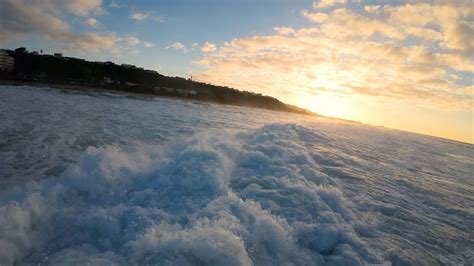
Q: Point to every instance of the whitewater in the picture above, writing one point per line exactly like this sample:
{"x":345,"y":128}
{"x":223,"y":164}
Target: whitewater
{"x":113,"y":179}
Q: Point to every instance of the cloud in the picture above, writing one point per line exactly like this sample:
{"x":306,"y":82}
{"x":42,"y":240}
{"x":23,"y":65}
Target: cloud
{"x":344,"y":23}
{"x":315,"y":17}
{"x":74,"y":7}
{"x":83,"y":7}
{"x":138,"y":16}
{"x":454,"y":20}
{"x":114,"y":4}
{"x":148,"y":44}
{"x":92,"y":22}
{"x":20,"y":18}
{"x":132,"y":40}
{"x":424,"y":33}
{"x":178,"y":46}
{"x":24,"y":18}
{"x":371,"y":9}
{"x":351,"y":53}
{"x":91,"y":42}
{"x":208,"y":47}
{"x":327,"y":3}
{"x":284,"y":30}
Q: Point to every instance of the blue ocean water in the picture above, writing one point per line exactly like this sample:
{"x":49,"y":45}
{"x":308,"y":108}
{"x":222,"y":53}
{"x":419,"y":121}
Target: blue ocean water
{"x":106,"y":179}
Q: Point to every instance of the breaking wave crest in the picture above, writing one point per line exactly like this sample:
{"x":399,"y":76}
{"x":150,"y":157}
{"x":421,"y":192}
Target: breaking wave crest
{"x":255,"y":197}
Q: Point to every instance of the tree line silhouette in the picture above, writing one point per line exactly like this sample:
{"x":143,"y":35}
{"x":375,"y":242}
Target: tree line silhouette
{"x":32,"y":66}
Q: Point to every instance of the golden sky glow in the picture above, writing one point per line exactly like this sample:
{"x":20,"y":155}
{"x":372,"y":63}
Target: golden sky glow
{"x":406,"y":66}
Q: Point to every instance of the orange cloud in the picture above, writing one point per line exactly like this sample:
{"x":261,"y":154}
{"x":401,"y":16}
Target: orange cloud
{"x":208,"y":47}
{"x":350,"y":53}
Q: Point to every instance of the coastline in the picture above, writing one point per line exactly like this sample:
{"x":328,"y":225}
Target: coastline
{"x":64,"y":86}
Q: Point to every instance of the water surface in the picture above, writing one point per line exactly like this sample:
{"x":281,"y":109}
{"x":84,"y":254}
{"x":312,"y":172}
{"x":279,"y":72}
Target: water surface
{"x":99,"y":178}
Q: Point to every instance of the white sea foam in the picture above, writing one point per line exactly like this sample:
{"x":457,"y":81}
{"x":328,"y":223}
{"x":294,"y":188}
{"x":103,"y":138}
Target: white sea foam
{"x":177,"y":183}
{"x":252,"y":198}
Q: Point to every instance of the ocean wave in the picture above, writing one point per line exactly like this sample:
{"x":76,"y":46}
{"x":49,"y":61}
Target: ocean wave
{"x":254,"y":197}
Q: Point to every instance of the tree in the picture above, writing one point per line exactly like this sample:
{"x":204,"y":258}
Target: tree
{"x":21,"y":50}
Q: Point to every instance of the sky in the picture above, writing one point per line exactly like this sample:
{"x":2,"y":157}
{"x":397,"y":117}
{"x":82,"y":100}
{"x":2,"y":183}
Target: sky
{"x":406,"y":65}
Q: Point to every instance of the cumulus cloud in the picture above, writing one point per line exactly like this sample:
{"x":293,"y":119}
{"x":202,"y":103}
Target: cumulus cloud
{"x":22,"y":18}
{"x":178,"y":46}
{"x":148,"y":44}
{"x":208,"y":47}
{"x":327,"y":3}
{"x":315,"y":17}
{"x":344,"y":23}
{"x":132,"y":40}
{"x":371,"y":9}
{"x":357,"y":53}
{"x":454,"y":19}
{"x":284,"y":30}
{"x":92,"y":22}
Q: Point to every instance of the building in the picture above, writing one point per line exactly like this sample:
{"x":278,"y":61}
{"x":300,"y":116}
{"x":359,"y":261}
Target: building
{"x":7,"y":62}
{"x":186,"y":92}
{"x":169,"y":90}
{"x":58,"y":55}
{"x":128,"y":66}
{"x":107,"y":80}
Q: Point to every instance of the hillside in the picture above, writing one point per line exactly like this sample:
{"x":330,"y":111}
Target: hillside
{"x":34,"y":67}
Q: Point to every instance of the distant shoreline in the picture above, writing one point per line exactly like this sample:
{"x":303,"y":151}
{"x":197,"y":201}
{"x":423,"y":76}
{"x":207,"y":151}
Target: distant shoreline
{"x":64,"y":86}
{"x":58,"y":71}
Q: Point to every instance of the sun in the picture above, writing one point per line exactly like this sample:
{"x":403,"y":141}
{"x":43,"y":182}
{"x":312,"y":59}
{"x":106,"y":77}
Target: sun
{"x":327,"y":104}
